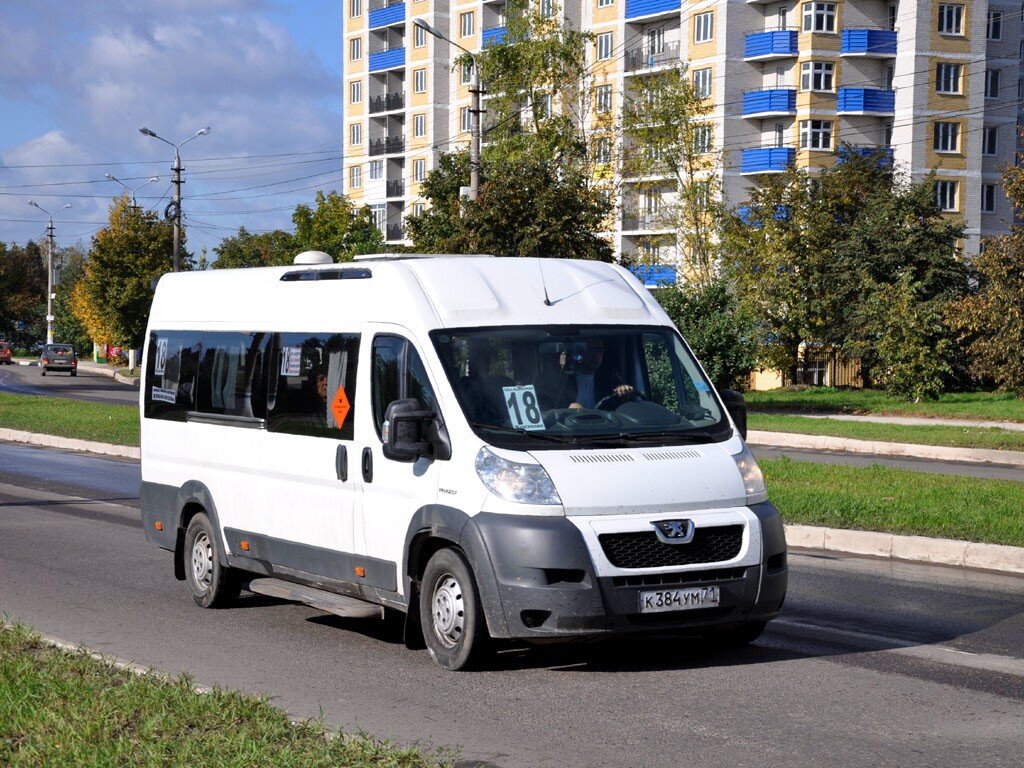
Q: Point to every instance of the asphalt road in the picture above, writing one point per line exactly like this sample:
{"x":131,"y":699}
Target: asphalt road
{"x":94,"y":387}
{"x":873,"y":662}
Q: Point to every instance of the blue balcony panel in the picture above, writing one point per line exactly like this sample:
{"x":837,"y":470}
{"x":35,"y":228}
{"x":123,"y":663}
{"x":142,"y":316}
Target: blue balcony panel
{"x":749,"y":217}
{"x":494,"y":36}
{"x":654,"y":275}
{"x":638,"y":8}
{"x":885,"y":156}
{"x":389,"y":14}
{"x":767,"y":159}
{"x":875,"y":101}
{"x":870,"y":43}
{"x":389,"y":59}
{"x":770,"y":101}
{"x":765,"y":46}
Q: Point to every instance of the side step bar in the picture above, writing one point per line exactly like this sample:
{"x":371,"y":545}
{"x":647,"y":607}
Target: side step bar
{"x":339,"y":605}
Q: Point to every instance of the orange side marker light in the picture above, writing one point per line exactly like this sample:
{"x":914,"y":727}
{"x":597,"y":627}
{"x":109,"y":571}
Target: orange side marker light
{"x":360,"y":571}
{"x":158,"y":525}
{"x":244,"y":545}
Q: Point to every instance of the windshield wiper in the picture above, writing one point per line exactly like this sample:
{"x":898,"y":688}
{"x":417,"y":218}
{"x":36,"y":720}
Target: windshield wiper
{"x":689,"y":436}
{"x":523,"y":432}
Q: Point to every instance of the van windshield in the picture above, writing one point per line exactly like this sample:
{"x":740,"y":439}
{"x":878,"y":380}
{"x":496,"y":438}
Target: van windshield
{"x":538,"y":387}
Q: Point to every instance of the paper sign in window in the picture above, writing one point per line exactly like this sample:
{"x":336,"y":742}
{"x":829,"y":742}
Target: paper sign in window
{"x":523,"y":407}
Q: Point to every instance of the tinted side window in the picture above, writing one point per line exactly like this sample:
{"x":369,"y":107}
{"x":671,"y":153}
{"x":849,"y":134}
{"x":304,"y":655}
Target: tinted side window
{"x":398,"y":373}
{"x":308,"y":373}
{"x":231,"y":375}
{"x":171,"y":374}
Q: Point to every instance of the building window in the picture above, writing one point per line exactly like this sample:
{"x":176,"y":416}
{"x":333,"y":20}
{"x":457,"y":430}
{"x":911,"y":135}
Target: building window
{"x":419,"y":81}
{"x":466,"y":24}
{"x":355,"y":177}
{"x":702,"y":139}
{"x":467,"y":72}
{"x":604,"y":45}
{"x":704,"y":27}
{"x":988,"y":198}
{"x":466,"y":119}
{"x":603,"y":150}
{"x":379,"y":214}
{"x":947,"y":137}
{"x":376,"y":170}
{"x":819,"y":17}
{"x":990,"y":140}
{"x":417,"y":210}
{"x":991,"y":83}
{"x":945,"y":195}
{"x":891,"y":18}
{"x":419,"y":36}
{"x":947,"y":78}
{"x":655,"y":41}
{"x":604,"y":3}
{"x":355,"y":8}
{"x":995,"y":25}
{"x":702,"y":82}
{"x":887,"y":134}
{"x":355,"y":134}
{"x":816,"y":76}
{"x":815,"y":134}
{"x":355,"y":49}
{"x":419,"y":123}
{"x":355,"y":92}
{"x":603,"y":98}
{"x":542,"y":106}
{"x":547,"y":8}
{"x":951,"y":19}
{"x":419,"y":170}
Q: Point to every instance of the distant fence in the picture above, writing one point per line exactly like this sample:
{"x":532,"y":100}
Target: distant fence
{"x":825,"y":368}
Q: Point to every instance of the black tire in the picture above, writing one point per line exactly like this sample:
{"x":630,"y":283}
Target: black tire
{"x":737,"y":635}
{"x":212,"y":585}
{"x":42,"y":371}
{"x":74,"y":373}
{"x":450,"y":613}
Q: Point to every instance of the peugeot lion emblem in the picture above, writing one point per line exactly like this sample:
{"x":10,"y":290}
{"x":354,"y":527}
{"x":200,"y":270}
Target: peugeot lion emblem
{"x":674,"y":531}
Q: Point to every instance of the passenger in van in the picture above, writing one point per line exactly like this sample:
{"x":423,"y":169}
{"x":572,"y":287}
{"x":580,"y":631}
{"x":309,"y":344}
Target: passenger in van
{"x":483,"y":391}
{"x":587,"y":380}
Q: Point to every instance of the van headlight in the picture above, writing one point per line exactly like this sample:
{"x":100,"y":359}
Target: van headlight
{"x":753,"y":479}
{"x":512,"y":481}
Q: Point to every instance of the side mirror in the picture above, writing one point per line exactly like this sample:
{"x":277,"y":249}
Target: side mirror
{"x":405,"y":426}
{"x":737,"y":407}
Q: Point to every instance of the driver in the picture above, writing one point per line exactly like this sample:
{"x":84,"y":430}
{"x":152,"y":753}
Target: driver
{"x":589,"y":381}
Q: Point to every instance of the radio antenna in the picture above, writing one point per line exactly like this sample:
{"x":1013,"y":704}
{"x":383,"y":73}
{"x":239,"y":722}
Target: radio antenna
{"x":544,"y":285}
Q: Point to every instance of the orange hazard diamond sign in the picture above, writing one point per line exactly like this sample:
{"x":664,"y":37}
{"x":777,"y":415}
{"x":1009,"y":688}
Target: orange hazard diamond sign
{"x":340,"y":406}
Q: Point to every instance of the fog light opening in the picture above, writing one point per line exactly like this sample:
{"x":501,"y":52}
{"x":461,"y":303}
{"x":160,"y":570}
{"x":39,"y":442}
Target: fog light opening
{"x":532,"y":619}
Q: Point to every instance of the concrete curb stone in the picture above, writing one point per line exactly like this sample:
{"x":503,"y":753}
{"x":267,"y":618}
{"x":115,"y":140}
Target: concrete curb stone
{"x":69,"y":443}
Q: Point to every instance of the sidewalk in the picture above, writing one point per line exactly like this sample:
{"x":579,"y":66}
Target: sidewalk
{"x":912,"y":421}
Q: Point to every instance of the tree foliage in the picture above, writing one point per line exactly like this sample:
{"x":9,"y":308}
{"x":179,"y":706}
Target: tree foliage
{"x":113,"y":297}
{"x":66,"y":326}
{"x":22,"y":293}
{"x":245,"y":249}
{"x":336,"y":227}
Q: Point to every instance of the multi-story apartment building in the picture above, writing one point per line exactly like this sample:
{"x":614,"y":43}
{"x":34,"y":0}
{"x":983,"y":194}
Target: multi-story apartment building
{"x":936,"y":85}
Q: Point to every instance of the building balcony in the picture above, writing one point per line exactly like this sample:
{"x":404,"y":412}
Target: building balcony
{"x":769,"y":102}
{"x":388,"y":58}
{"x":655,"y":275}
{"x":885,"y":154}
{"x":393,"y":232}
{"x":647,"y":58}
{"x":866,"y":101}
{"x":388,"y":145}
{"x":638,"y":8}
{"x":493,"y":36}
{"x":769,"y":46}
{"x":387,"y":102}
{"x":395,"y":188}
{"x":749,"y":216}
{"x":644,"y":221}
{"x":767,"y":160}
{"x":384,"y":13}
{"x":868,"y":43}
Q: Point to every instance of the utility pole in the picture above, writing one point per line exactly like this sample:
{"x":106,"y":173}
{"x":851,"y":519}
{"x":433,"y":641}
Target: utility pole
{"x":49,"y":267}
{"x":132,"y":190}
{"x":176,"y":180}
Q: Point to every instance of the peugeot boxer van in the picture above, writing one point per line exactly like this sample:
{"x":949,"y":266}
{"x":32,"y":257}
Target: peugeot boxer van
{"x":480,"y":447}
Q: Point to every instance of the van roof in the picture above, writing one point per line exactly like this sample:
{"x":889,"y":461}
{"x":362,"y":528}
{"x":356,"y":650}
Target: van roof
{"x":412,"y":290}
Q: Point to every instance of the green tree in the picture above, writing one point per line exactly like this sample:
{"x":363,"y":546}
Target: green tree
{"x":113,"y":297}
{"x":22,"y":294}
{"x":244,"y":249}
{"x":336,"y":227}
{"x":66,"y":326}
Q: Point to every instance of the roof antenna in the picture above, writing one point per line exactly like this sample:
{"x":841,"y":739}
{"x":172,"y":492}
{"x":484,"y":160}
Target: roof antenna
{"x":540,"y":266}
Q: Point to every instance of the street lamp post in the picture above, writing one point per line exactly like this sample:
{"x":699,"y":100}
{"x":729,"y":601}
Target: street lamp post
{"x":176,"y":169}
{"x":132,"y":190}
{"x":474,"y":110}
{"x":49,"y":266}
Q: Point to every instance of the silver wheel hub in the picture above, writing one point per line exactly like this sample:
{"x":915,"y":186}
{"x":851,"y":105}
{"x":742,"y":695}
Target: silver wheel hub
{"x":202,"y":561}
{"x":448,"y":611}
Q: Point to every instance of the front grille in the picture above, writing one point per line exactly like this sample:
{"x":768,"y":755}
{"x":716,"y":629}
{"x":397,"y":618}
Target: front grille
{"x":646,"y":550}
{"x":679,"y":579}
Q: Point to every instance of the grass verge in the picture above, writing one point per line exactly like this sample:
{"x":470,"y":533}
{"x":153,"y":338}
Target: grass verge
{"x":881,"y":498}
{"x":958,"y":437}
{"x":62,"y":708}
{"x":991,"y":406}
{"x":62,"y":416}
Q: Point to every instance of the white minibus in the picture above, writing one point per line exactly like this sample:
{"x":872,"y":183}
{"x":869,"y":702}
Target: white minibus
{"x":482,"y":448}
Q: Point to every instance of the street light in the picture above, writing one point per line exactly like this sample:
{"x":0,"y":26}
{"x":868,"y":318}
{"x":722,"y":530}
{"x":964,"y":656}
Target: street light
{"x":177,"y":169}
{"x":131,"y":190}
{"x":474,"y":110}
{"x":49,"y":266}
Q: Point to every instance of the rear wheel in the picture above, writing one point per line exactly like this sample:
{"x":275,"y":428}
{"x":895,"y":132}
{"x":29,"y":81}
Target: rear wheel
{"x":450,"y":613}
{"x":42,"y":371}
{"x":212,"y":585}
{"x":74,"y":373}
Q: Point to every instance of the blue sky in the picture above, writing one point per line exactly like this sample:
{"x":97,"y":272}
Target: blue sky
{"x":78,"y":79}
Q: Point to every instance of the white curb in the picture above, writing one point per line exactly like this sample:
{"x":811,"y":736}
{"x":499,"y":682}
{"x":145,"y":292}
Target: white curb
{"x":69,"y":443}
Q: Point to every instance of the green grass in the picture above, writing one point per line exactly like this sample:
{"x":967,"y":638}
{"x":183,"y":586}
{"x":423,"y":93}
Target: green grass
{"x":881,"y":498}
{"x":105,"y":423}
{"x":59,"y":708}
{"x":960,"y":437}
{"x":991,"y":406}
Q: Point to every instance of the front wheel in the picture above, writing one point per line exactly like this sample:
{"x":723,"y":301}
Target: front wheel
{"x":212,"y":585}
{"x":450,"y":614}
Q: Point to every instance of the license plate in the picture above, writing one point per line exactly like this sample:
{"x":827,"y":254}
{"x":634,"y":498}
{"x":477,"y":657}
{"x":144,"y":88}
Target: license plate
{"x":663,"y":600}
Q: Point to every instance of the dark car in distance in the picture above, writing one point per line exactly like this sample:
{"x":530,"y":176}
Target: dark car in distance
{"x":58,"y":357}
{"x":5,"y":353}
